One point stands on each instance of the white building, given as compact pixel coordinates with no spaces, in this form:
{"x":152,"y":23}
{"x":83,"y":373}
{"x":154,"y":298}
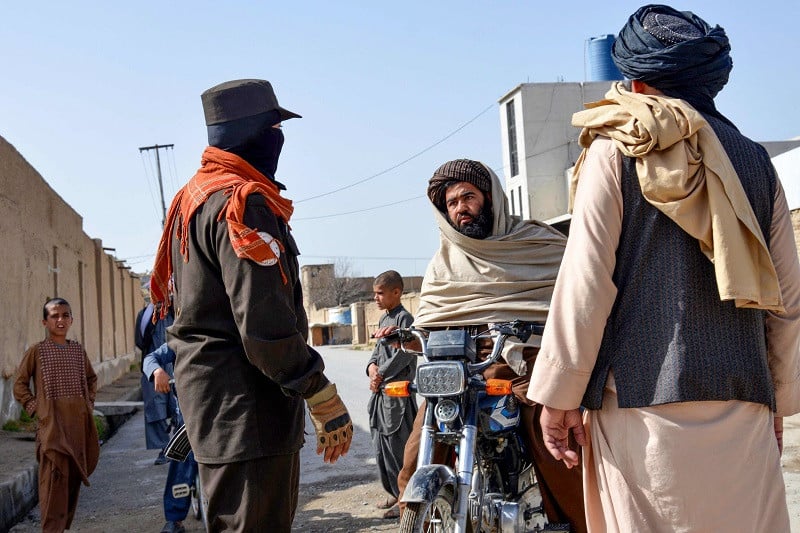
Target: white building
{"x":787,"y":165}
{"x":540,"y":143}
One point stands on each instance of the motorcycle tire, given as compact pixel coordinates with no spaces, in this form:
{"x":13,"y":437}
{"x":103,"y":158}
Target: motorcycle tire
{"x":198,"y":510}
{"x":434,"y":516}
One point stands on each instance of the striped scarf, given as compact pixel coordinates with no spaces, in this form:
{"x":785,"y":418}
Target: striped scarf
{"x":219,"y":171}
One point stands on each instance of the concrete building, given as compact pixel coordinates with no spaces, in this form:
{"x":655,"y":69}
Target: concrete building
{"x":46,"y":254}
{"x":540,"y":144}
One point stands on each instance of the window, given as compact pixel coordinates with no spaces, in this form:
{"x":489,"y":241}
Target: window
{"x":521,"y":209}
{"x":512,"y":139}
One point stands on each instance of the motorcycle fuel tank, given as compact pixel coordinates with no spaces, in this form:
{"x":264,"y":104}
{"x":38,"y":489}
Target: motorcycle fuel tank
{"x":498,"y":413}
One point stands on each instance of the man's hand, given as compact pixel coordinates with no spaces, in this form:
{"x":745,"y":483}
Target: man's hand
{"x":331,"y":422}
{"x":778,"y":425}
{"x":161,"y":380}
{"x":556,"y":426}
{"x":413,"y":345}
{"x":375,"y":378}
{"x":382,"y":332}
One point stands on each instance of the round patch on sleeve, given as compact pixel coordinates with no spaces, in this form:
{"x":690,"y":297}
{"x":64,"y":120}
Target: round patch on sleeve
{"x":273,"y":245}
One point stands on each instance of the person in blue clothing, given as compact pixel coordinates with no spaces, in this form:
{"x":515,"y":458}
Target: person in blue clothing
{"x":157,"y":368}
{"x":159,"y":409}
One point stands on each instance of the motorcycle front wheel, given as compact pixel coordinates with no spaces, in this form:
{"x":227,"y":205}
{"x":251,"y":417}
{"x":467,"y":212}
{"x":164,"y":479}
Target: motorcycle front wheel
{"x":434,"y":516}
{"x":198,"y":509}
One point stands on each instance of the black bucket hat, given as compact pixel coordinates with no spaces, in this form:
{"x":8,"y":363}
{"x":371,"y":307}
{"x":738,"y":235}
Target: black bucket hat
{"x":237,"y":99}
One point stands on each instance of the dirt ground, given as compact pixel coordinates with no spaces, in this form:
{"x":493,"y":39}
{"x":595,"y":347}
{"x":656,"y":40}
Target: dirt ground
{"x":342,"y":504}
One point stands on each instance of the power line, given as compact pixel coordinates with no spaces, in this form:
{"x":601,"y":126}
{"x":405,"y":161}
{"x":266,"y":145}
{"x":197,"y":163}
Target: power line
{"x":157,"y":147}
{"x":497,"y":169}
{"x":172,"y":174}
{"x":148,"y":176}
{"x":361,"y":210}
{"x":403,"y":162}
{"x":535,"y":154}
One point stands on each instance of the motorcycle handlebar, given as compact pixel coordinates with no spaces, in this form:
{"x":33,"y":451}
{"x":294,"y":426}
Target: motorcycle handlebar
{"x":517,"y":328}
{"x":399,"y":335}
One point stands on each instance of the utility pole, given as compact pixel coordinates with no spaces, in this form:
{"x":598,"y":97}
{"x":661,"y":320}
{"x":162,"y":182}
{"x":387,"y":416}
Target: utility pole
{"x":156,"y":147}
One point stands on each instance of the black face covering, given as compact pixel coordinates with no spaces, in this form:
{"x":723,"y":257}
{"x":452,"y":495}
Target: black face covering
{"x":253,"y":139}
{"x":262,"y":151}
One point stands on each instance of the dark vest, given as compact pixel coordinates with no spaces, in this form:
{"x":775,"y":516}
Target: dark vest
{"x":669,"y":337}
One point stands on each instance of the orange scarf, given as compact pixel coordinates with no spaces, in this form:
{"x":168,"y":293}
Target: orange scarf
{"x":219,"y":171}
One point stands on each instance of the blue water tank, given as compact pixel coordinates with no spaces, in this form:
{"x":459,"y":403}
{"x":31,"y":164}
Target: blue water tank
{"x":601,"y":66}
{"x":340,"y":315}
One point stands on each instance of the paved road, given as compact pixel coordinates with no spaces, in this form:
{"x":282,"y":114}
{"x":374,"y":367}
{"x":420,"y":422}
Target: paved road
{"x":345,"y":367}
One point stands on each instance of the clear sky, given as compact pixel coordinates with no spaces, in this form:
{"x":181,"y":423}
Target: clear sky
{"x":388,"y":92}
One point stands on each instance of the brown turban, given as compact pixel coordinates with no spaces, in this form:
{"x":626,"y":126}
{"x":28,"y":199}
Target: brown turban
{"x":459,"y":170}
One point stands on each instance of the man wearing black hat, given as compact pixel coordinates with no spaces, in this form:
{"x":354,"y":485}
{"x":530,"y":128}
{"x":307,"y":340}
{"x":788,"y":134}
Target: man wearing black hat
{"x":494,"y":267}
{"x":243,"y":368}
{"x":675,"y":319}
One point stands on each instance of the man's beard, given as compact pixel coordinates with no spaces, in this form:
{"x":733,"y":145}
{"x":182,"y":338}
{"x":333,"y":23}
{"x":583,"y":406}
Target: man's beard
{"x":481,"y":225}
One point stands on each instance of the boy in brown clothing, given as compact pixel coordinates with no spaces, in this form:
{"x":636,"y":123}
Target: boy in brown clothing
{"x":64,"y":388}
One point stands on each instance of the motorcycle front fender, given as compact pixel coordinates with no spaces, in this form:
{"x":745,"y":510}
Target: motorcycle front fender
{"x":426,"y":483}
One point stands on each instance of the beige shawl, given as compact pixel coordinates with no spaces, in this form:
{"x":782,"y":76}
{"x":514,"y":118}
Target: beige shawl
{"x":685,"y":173}
{"x":507,"y":276}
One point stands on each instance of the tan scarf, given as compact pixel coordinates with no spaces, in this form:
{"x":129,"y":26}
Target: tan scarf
{"x":685,"y":173}
{"x":220,"y":170}
{"x":507,"y":276}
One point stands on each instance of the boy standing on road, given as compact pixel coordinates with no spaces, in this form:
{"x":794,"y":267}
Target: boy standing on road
{"x":64,"y":388}
{"x":390,"y":419}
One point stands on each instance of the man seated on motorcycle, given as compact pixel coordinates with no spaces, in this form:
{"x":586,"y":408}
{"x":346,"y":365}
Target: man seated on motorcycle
{"x":492,"y":266}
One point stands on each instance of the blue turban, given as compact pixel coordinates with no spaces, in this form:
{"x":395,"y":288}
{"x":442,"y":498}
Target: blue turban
{"x":675,"y":52}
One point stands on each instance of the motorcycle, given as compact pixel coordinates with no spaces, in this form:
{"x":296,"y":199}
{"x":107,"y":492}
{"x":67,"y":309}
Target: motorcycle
{"x":492,"y":486}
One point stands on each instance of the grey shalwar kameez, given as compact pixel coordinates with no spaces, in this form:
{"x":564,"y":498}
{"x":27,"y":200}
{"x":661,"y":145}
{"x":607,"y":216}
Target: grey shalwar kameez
{"x":391,"y":419}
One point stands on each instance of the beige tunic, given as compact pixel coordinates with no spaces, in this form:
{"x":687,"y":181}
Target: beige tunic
{"x":685,"y":453}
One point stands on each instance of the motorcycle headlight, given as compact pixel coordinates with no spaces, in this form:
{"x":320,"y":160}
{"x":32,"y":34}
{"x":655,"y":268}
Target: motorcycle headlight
{"x":440,"y":378}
